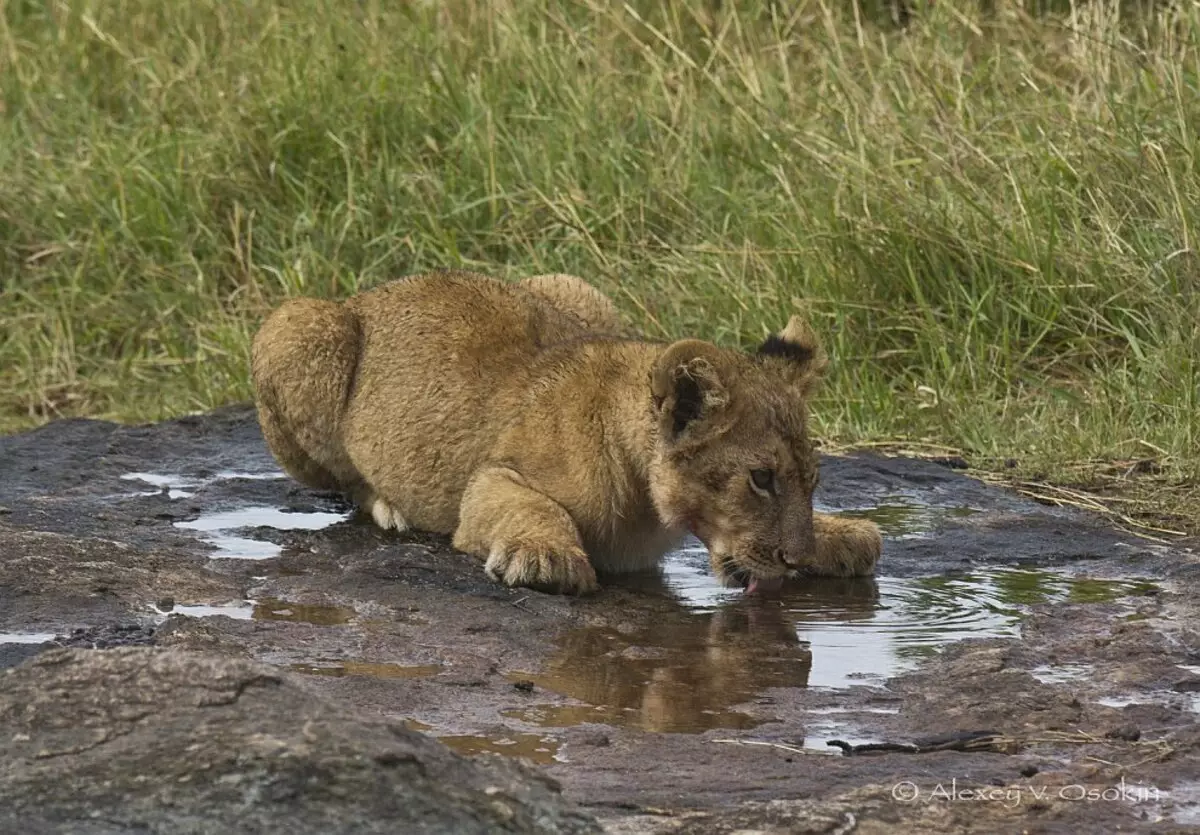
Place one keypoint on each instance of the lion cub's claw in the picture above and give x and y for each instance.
(561, 571)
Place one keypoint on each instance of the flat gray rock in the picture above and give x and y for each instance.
(139, 739)
(248, 655)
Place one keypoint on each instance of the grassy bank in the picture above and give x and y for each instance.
(992, 215)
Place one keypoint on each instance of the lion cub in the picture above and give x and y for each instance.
(518, 418)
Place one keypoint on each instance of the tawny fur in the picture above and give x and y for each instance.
(518, 419)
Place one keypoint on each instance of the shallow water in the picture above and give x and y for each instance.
(269, 608)
(1062, 673)
(26, 637)
(216, 528)
(265, 609)
(367, 669)
(862, 629)
(696, 667)
(690, 672)
(1185, 802)
(177, 486)
(237, 611)
(899, 517)
(534, 747)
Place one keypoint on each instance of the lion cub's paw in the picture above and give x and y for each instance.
(386, 516)
(557, 570)
(846, 547)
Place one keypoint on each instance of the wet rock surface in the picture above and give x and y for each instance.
(662, 704)
(146, 739)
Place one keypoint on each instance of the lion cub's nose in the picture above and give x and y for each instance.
(793, 557)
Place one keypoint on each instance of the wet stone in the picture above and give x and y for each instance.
(77, 752)
(662, 691)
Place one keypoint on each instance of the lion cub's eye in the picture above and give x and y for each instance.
(763, 481)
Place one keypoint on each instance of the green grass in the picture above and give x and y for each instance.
(992, 216)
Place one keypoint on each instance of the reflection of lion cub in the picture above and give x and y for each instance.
(513, 417)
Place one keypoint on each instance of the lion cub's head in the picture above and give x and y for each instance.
(735, 464)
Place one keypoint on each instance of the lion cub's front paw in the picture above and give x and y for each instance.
(846, 547)
(557, 570)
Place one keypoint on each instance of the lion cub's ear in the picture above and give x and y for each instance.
(686, 386)
(797, 352)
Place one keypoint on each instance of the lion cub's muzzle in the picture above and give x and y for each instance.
(761, 576)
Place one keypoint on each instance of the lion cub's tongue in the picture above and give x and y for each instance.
(763, 585)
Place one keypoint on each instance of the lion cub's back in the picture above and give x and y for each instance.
(435, 350)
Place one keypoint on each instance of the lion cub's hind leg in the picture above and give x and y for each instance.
(526, 538)
(303, 363)
(846, 547)
(571, 294)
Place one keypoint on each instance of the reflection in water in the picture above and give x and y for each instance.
(898, 519)
(818, 734)
(868, 632)
(689, 670)
(268, 608)
(681, 675)
(539, 749)
(271, 609)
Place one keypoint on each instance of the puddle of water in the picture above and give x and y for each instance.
(689, 671)
(817, 736)
(692, 719)
(179, 486)
(368, 669)
(1062, 673)
(1184, 799)
(217, 525)
(241, 548)
(683, 675)
(901, 519)
(885, 711)
(540, 749)
(265, 609)
(26, 637)
(237, 611)
(1126, 701)
(173, 484)
(864, 630)
(230, 475)
(271, 609)
(269, 517)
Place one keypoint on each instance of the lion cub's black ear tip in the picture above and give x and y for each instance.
(785, 349)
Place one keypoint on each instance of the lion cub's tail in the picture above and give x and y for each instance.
(303, 363)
